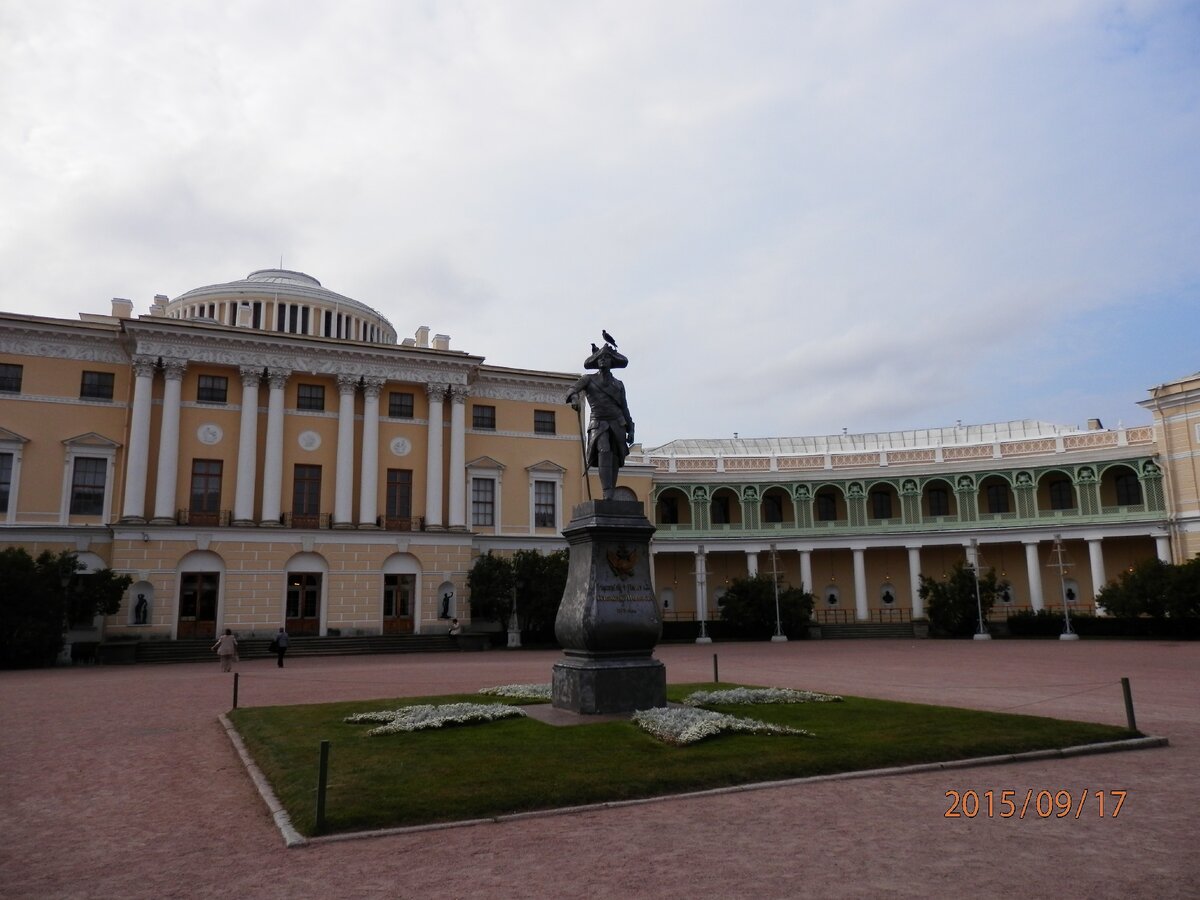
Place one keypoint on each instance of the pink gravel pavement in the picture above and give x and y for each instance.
(120, 782)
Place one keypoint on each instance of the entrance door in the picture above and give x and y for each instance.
(198, 604)
(397, 603)
(304, 603)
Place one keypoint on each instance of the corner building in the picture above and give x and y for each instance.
(267, 452)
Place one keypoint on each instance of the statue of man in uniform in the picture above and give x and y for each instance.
(610, 429)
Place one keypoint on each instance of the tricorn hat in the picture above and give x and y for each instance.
(606, 357)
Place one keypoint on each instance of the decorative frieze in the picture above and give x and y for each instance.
(973, 451)
(748, 464)
(793, 463)
(1028, 448)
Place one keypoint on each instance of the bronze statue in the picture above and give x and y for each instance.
(610, 429)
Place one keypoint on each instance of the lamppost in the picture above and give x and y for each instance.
(1068, 634)
(779, 636)
(702, 591)
(982, 633)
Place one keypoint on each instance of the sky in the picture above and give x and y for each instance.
(795, 217)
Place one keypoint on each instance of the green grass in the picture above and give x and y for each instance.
(516, 765)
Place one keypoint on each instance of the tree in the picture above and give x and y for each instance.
(39, 599)
(538, 579)
(1154, 588)
(748, 608)
(952, 605)
(490, 583)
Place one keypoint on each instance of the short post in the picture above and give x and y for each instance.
(322, 783)
(716, 678)
(235, 687)
(1128, 704)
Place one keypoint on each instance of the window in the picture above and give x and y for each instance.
(997, 498)
(10, 378)
(720, 509)
(397, 595)
(399, 493)
(198, 593)
(310, 396)
(543, 504)
(400, 405)
(1061, 494)
(668, 510)
(826, 507)
(483, 417)
(306, 492)
(483, 501)
(205, 501)
(87, 486)
(939, 501)
(881, 505)
(6, 471)
(772, 508)
(1129, 490)
(97, 386)
(212, 389)
(543, 421)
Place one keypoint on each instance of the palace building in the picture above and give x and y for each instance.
(266, 452)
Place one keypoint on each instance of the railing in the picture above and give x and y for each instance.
(305, 520)
(890, 615)
(401, 523)
(833, 616)
(200, 517)
(670, 615)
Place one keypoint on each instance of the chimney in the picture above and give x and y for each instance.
(245, 315)
(423, 336)
(159, 306)
(122, 308)
(1095, 425)
(441, 342)
(408, 342)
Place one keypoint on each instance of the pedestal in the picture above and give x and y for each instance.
(609, 620)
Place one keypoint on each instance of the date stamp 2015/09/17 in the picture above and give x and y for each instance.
(1044, 804)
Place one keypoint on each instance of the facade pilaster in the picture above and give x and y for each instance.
(273, 452)
(247, 471)
(137, 467)
(458, 460)
(1096, 560)
(861, 611)
(368, 497)
(343, 492)
(806, 578)
(914, 582)
(1033, 565)
(1162, 548)
(751, 563)
(168, 443)
(433, 465)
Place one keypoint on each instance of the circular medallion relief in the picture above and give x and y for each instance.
(209, 433)
(401, 446)
(309, 440)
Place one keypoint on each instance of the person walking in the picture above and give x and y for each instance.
(226, 647)
(280, 646)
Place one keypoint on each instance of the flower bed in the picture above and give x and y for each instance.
(741, 696)
(423, 717)
(687, 725)
(519, 691)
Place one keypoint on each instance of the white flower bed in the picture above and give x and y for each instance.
(420, 718)
(686, 725)
(741, 696)
(519, 691)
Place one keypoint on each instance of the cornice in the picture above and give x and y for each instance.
(62, 340)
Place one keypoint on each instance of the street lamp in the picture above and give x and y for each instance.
(779, 636)
(982, 633)
(1068, 634)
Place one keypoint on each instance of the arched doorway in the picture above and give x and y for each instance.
(304, 602)
(200, 576)
(398, 612)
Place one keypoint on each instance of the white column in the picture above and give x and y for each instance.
(433, 462)
(343, 491)
(273, 451)
(914, 582)
(702, 594)
(368, 495)
(751, 563)
(806, 578)
(458, 461)
(137, 463)
(168, 443)
(247, 464)
(1033, 566)
(860, 585)
(1162, 547)
(1096, 558)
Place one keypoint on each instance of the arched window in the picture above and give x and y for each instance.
(1129, 489)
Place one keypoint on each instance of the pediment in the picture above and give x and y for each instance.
(486, 462)
(91, 439)
(11, 437)
(546, 465)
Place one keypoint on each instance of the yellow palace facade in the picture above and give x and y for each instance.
(266, 452)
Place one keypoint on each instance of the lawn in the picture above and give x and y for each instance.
(520, 764)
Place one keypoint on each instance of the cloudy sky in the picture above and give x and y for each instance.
(796, 217)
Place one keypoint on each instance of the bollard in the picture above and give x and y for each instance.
(235, 687)
(1128, 704)
(716, 679)
(322, 783)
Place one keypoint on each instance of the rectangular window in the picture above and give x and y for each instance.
(1061, 495)
(881, 505)
(10, 378)
(400, 405)
(1129, 490)
(543, 421)
(6, 467)
(205, 504)
(772, 508)
(483, 501)
(997, 498)
(543, 504)
(826, 507)
(720, 510)
(483, 417)
(399, 493)
(306, 494)
(87, 486)
(668, 510)
(939, 501)
(97, 386)
(212, 389)
(310, 396)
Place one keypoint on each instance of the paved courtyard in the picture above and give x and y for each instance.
(120, 782)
